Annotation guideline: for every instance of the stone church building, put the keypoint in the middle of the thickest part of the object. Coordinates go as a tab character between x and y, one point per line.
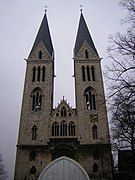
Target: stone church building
81	133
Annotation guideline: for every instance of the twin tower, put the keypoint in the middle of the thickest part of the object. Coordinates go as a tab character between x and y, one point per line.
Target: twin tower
81	134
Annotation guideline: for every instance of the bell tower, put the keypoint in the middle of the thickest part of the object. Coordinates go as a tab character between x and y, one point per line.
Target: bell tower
37	105
90	106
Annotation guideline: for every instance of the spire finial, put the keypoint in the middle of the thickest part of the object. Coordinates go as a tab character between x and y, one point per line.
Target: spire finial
46	8
81	6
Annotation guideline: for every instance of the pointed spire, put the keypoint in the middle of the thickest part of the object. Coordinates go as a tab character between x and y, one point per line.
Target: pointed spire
83	35
44	36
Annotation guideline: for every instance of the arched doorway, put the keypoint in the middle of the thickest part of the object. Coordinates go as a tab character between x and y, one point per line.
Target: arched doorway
63	150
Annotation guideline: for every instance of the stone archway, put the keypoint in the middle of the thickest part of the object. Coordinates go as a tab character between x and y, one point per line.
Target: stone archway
63	150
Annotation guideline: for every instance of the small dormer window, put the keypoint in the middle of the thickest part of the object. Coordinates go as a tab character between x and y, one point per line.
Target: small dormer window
40	54
86	54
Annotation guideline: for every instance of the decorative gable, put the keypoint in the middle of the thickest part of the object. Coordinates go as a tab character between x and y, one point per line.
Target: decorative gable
40	53
63	110
86	52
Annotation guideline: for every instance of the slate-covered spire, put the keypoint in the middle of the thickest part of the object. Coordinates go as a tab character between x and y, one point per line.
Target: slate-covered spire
82	35
44	36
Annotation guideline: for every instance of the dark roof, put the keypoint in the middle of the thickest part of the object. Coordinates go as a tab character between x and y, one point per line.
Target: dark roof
82	35
44	36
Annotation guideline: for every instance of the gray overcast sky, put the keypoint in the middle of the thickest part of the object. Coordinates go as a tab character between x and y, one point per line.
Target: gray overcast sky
19	23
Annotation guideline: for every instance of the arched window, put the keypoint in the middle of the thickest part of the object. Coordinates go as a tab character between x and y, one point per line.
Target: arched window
90	100
95	168
94	131
43	73
83	73
34	132
71	129
34	74
86	54
88	73
38	74
32	156
36	101
40	54
55	129
63	128
63	112
93	73
33	170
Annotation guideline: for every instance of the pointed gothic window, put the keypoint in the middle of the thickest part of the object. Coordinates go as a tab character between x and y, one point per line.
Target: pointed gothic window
63	112
94	131
88	73
43	73
34	132
33	170
71	128
32	156
34	74
95	168
90	100
36	101
40	54
83	73
38	74
55	129
86	54
63	128
93	73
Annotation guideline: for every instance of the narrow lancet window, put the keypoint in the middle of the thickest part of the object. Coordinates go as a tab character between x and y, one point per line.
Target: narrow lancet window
63	128
93	73
83	73
33	102
86	54
43	73
38	74
94	131
88	73
71	129
93	101
40	54
63	112
55	129
34	74
34	132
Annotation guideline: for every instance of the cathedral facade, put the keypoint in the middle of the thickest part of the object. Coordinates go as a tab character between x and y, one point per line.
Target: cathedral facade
48	133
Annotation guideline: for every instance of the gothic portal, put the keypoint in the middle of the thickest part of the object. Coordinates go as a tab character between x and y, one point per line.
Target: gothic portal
80	133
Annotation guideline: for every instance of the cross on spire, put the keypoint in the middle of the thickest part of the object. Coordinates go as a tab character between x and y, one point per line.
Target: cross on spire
46	8
81	6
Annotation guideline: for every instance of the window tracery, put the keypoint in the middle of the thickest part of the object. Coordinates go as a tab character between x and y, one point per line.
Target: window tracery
55	129
36	100
63	128
71	129
90	100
